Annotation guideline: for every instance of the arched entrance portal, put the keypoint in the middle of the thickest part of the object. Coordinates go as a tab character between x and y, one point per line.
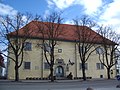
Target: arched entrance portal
59	71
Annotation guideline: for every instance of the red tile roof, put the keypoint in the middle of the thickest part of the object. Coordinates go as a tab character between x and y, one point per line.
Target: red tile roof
68	33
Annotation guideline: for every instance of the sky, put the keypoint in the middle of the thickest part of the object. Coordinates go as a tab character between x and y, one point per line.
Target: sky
106	12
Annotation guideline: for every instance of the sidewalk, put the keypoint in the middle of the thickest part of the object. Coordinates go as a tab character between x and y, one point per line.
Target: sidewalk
40	81
57	81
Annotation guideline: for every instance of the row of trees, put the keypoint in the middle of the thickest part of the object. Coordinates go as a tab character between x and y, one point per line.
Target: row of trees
84	40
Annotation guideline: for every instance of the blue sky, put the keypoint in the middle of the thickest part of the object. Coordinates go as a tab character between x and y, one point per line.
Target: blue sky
105	12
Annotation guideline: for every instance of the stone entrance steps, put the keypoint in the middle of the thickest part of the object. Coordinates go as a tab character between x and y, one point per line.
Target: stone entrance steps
61	78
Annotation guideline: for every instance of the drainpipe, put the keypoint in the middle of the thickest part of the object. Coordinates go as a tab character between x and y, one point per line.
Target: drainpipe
8	64
75	59
42	63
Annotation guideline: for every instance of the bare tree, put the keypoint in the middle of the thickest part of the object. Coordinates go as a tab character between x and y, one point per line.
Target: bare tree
51	29
13	37
2	61
109	56
85	40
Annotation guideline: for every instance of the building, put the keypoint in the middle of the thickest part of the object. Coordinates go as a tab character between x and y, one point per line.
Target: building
2	65
118	67
118	62
1	71
66	56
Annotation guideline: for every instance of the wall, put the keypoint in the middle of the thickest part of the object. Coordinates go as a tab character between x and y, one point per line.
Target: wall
35	56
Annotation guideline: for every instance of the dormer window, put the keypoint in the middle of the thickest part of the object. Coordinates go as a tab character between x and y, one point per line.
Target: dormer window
28	46
99	50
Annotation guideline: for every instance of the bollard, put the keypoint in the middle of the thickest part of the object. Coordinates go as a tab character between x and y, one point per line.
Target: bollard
118	86
89	88
118	78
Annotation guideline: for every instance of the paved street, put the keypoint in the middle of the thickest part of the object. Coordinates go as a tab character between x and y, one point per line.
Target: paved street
59	85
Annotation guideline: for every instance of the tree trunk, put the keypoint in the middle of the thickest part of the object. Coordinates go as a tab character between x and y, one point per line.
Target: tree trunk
16	73
16	70
51	74
108	73
83	71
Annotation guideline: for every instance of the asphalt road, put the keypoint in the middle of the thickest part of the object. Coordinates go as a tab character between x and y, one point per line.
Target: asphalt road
59	85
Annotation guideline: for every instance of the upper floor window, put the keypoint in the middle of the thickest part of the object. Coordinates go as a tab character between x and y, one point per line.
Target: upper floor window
46	47
99	50
28	46
86	66
99	66
27	65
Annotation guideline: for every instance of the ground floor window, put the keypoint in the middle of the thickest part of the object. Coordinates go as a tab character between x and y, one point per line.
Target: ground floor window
86	66
46	65
67	67
99	66
27	65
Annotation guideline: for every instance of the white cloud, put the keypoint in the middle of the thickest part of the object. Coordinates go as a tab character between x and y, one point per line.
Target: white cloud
111	16
47	12
90	6
24	18
112	10
61	4
7	10
69	22
50	3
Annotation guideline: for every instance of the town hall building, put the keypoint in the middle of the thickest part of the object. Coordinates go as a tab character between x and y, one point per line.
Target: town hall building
66	58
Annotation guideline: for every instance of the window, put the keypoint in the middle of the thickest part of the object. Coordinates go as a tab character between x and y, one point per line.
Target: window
67	68
27	65
46	65
117	70
59	61
28	46
59	50
99	66
99	50
0	70
86	66
47	47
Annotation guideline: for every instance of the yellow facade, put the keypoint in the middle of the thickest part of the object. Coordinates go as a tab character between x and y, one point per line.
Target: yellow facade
65	52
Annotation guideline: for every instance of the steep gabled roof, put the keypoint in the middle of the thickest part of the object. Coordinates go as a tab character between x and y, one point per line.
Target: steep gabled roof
69	33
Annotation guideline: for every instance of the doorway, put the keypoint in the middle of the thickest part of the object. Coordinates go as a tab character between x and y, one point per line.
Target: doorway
59	71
